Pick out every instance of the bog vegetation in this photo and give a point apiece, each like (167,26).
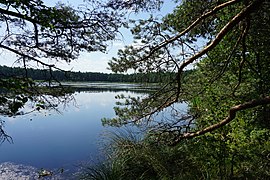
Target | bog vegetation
(224,134)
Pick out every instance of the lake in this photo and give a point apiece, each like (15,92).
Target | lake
(65,139)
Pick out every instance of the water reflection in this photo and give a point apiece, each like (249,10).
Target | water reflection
(111,87)
(59,140)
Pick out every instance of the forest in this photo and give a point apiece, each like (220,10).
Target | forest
(225,131)
(58,75)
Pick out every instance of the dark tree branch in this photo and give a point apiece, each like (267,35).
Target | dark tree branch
(244,59)
(190,27)
(28,57)
(18,15)
(233,22)
(232,114)
(3,135)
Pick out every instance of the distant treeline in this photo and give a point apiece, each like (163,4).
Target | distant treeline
(36,74)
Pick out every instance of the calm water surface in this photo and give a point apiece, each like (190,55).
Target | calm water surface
(60,140)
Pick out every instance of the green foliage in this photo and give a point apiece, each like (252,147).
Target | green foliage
(16,93)
(59,32)
(130,157)
(46,75)
(227,45)
(135,5)
(226,42)
(228,70)
(39,34)
(221,155)
(34,32)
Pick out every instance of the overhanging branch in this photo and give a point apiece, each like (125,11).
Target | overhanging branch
(29,57)
(222,33)
(236,19)
(190,27)
(18,15)
(232,113)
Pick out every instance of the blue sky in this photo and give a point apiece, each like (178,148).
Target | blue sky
(95,61)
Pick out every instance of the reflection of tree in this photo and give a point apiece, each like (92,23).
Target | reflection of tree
(225,132)
(33,95)
(40,36)
(3,135)
(108,87)
(33,99)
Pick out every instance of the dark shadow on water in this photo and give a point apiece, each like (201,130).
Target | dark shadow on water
(110,87)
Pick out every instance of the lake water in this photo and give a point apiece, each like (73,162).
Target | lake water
(53,140)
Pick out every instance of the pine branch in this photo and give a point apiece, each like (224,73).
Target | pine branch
(232,114)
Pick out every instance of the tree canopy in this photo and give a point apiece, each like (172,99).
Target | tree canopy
(39,35)
(224,131)
(225,43)
(34,31)
(63,76)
